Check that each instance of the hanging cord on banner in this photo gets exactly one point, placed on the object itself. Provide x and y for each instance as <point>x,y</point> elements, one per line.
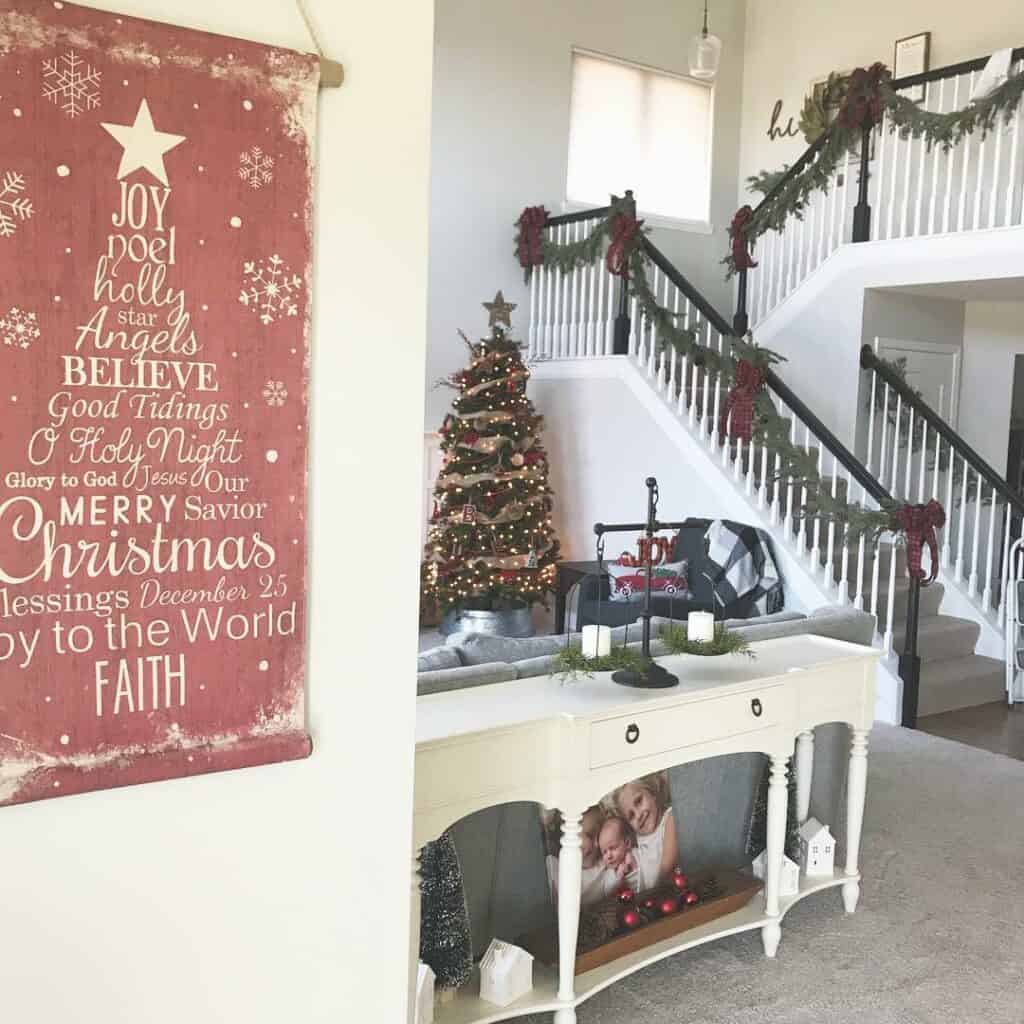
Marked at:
<point>332,74</point>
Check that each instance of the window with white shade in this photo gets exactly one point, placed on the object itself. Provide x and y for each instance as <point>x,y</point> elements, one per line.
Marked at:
<point>635,127</point>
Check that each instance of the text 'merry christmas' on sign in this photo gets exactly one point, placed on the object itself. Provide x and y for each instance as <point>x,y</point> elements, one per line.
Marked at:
<point>155,260</point>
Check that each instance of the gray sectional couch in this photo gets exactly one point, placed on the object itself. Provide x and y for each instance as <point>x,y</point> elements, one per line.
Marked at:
<point>501,848</point>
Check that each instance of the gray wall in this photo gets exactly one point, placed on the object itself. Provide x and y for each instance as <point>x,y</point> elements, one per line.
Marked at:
<point>500,142</point>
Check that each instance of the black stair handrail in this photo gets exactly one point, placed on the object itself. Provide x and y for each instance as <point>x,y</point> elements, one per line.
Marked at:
<point>869,360</point>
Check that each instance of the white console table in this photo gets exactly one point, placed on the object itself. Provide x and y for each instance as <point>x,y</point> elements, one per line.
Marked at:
<point>565,745</point>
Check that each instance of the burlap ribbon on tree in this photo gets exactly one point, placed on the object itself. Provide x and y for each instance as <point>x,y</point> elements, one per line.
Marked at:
<point>862,104</point>
<point>741,258</point>
<point>738,414</point>
<point>531,226</point>
<point>625,237</point>
<point>919,523</point>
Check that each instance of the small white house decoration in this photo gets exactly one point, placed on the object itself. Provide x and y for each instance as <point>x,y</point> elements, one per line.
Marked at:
<point>424,995</point>
<point>789,883</point>
<point>506,973</point>
<point>817,848</point>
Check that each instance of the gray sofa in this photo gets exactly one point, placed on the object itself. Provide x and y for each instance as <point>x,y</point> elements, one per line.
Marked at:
<point>501,849</point>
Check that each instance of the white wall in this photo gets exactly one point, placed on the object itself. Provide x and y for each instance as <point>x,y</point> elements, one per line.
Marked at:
<point>789,43</point>
<point>260,895</point>
<point>993,337</point>
<point>500,142</point>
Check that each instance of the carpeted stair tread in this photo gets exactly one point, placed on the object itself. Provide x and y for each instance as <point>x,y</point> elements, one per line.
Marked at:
<point>931,598</point>
<point>940,637</point>
<point>961,683</point>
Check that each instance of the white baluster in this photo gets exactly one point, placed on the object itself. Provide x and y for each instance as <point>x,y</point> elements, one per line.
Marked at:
<point>635,340</point>
<point>1005,573</point>
<point>858,596</point>
<point>532,342</point>
<point>559,277</point>
<point>947,532</point>
<point>544,299</point>
<point>965,169</point>
<point>897,428</point>
<point>845,207</point>
<point>908,161</point>
<point>830,545</point>
<point>923,459</point>
<point>737,463</point>
<point>986,594</point>
<point>874,586</point>
<point>963,523</point>
<point>921,161</point>
<point>572,304</point>
<point>935,151</point>
<point>801,536</point>
<point>910,455</point>
<point>869,456</point>
<point>897,147</point>
<point>950,161</point>
<point>762,490</point>
<point>972,583</point>
<point>816,532</point>
<point>693,394</point>
<point>604,316</point>
<point>681,405</point>
<point>979,181</point>
<point>787,522</point>
<point>938,442</point>
<point>885,138</point>
<point>883,448</point>
<point>1012,171</point>
<point>890,601</point>
<point>1000,131</point>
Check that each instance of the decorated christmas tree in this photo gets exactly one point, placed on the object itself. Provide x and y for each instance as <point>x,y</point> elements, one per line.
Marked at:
<point>491,544</point>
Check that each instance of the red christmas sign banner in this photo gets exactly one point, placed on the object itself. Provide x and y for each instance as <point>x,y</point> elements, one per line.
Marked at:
<point>155,267</point>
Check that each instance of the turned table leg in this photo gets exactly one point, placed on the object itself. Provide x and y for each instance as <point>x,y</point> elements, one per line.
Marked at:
<point>856,790</point>
<point>771,932</point>
<point>804,774</point>
<point>570,875</point>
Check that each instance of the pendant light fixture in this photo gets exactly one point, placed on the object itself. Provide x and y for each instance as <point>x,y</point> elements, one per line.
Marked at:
<point>705,52</point>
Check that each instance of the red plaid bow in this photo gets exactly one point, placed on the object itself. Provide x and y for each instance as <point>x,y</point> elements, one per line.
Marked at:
<point>741,399</point>
<point>625,234</point>
<point>919,523</point>
<point>741,257</point>
<point>862,103</point>
<point>529,249</point>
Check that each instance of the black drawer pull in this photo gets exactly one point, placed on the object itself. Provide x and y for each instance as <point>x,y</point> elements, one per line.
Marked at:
<point>632,733</point>
<point>756,707</point>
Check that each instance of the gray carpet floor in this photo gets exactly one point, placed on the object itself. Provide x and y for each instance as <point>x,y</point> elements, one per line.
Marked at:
<point>938,936</point>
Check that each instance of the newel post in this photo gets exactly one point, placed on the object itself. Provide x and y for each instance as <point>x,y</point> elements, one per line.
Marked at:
<point>740,320</point>
<point>620,339</point>
<point>862,211</point>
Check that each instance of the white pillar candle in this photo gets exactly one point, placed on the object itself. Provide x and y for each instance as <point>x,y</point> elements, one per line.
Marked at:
<point>597,641</point>
<point>700,626</point>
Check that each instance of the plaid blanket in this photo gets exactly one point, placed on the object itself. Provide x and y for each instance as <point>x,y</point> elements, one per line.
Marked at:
<point>744,567</point>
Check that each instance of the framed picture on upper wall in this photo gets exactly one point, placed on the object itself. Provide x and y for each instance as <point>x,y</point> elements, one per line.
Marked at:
<point>910,57</point>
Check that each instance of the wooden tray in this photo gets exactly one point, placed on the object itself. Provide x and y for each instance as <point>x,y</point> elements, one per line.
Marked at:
<point>735,890</point>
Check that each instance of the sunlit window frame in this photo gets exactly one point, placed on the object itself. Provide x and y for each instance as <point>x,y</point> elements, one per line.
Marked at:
<point>700,226</point>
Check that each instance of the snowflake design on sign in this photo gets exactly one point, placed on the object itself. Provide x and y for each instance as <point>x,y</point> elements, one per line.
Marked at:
<point>274,393</point>
<point>271,289</point>
<point>14,206</point>
<point>255,168</point>
<point>72,83</point>
<point>19,328</point>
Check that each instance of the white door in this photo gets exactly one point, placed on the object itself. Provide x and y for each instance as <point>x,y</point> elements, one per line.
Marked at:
<point>932,369</point>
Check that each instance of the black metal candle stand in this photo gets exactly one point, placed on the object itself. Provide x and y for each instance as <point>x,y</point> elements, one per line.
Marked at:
<point>656,677</point>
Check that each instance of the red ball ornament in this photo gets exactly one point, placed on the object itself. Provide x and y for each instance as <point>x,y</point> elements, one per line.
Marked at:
<point>680,881</point>
<point>669,905</point>
<point>650,903</point>
<point>690,897</point>
<point>626,895</point>
<point>631,918</point>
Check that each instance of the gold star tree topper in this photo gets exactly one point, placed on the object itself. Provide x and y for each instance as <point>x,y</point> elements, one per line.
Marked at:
<point>500,311</point>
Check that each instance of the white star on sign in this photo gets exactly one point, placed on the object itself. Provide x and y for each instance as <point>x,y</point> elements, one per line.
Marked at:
<point>143,145</point>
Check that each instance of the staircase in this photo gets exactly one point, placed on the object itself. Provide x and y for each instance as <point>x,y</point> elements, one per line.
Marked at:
<point>945,641</point>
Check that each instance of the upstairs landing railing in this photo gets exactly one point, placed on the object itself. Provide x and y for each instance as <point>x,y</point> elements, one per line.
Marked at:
<point>893,187</point>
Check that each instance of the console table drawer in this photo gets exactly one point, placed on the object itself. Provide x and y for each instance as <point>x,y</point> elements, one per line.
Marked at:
<point>652,732</point>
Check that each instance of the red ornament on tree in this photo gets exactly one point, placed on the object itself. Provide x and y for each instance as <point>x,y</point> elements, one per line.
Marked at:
<point>690,897</point>
<point>631,917</point>
<point>531,458</point>
<point>679,880</point>
<point>469,438</point>
<point>626,895</point>
<point>650,903</point>
<point>669,905</point>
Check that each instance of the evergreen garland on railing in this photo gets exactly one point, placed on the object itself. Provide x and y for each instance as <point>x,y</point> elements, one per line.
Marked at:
<point>792,463</point>
<point>864,97</point>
